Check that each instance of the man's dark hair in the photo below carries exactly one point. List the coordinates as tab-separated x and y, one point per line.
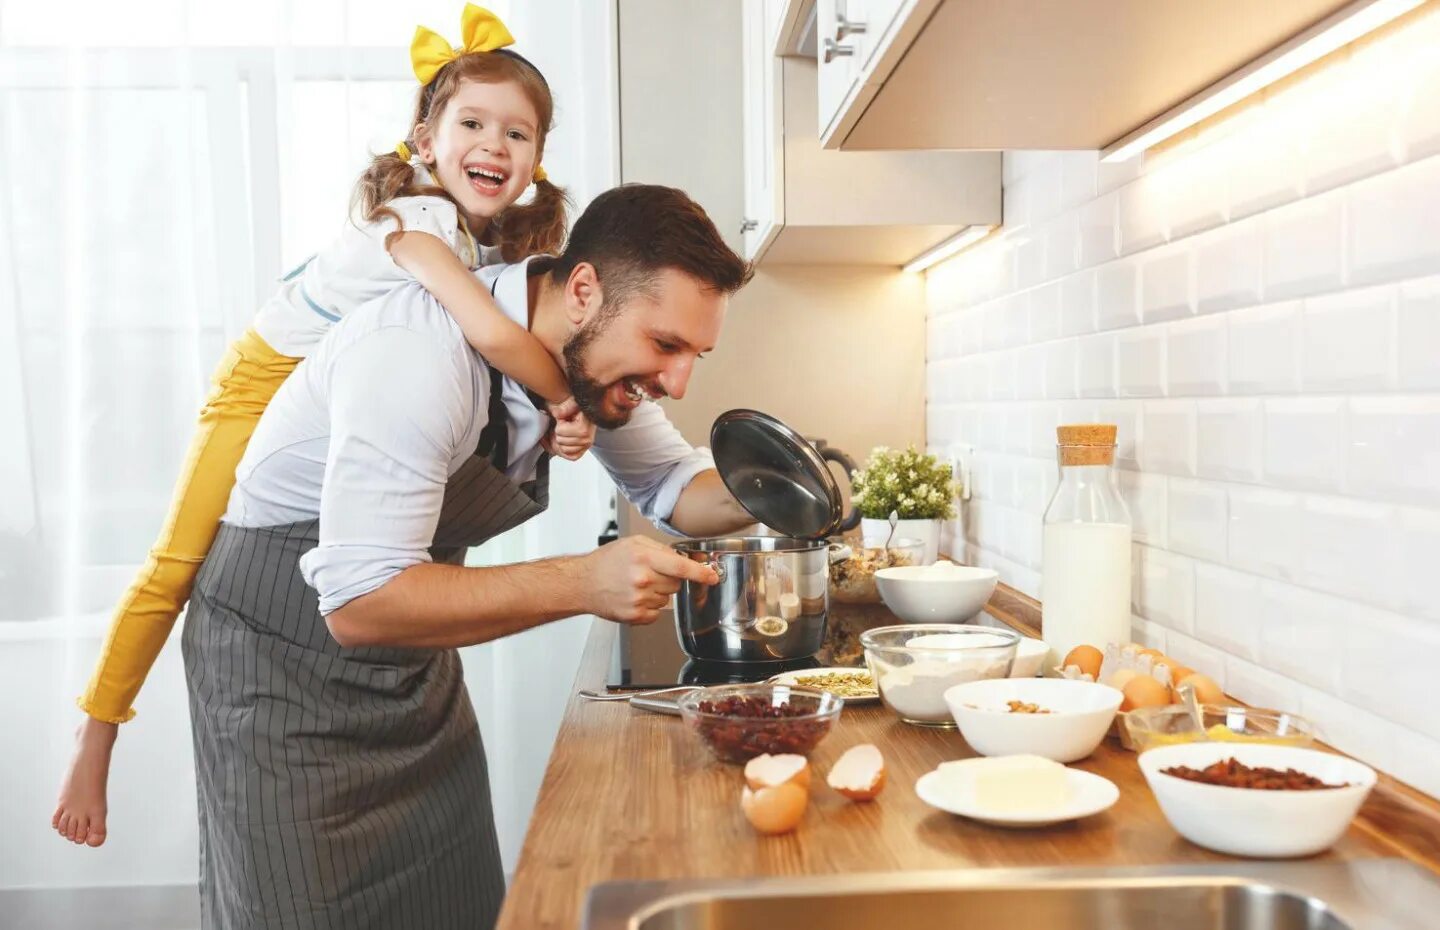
633	232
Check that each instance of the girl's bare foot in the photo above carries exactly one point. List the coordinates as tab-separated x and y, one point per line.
80	812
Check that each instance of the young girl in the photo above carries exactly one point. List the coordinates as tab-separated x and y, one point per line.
431	211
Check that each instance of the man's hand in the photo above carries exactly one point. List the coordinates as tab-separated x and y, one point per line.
631	580
572	433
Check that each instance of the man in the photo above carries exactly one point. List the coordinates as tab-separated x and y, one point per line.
341	777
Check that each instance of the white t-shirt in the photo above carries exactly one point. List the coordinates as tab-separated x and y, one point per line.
366	432
356	268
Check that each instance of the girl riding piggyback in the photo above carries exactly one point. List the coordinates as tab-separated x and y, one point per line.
432	211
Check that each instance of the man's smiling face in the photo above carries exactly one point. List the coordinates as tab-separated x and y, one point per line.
640	345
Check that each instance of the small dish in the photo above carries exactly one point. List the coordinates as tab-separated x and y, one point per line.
1090	794
1254	822
1077	716
1170	725
793	680
1029	658
936	593
738	722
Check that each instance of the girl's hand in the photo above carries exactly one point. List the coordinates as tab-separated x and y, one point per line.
572	434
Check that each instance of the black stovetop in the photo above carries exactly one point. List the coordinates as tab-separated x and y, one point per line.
650	657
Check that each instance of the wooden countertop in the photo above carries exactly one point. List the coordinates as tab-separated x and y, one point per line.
633	795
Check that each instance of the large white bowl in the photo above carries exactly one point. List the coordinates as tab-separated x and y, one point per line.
930	594
1251	822
1082	712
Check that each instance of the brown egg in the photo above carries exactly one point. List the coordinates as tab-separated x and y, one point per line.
1144	691
775	810
859	774
1178	673
767	771
1119	679
1207	690
1085	658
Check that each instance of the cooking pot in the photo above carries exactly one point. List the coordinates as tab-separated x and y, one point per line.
774	591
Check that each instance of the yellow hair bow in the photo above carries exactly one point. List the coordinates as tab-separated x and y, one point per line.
480	31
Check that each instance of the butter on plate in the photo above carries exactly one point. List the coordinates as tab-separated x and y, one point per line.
1012	784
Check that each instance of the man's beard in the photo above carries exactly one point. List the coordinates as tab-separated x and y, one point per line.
589	393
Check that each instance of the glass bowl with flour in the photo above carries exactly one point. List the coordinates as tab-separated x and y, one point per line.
914	663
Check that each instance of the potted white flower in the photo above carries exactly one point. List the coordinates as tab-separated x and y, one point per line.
916	486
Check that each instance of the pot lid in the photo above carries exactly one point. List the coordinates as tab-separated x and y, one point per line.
775	474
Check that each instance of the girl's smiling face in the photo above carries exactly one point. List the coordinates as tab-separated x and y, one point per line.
482	148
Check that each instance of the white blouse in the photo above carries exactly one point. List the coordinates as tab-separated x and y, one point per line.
356	268
367	430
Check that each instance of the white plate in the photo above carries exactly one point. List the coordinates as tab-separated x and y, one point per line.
792	678
1090	794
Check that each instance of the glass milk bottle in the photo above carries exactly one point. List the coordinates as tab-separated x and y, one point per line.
1085	575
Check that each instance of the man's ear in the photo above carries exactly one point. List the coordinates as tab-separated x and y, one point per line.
583	296
424	143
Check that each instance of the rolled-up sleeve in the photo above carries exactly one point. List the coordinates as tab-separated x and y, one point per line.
651	462
398	409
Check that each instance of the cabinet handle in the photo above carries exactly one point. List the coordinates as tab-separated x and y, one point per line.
834	50
847	27
748	226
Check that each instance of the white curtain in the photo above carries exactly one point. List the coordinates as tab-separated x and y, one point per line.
162	162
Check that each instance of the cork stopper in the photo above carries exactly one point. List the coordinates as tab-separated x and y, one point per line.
1087	443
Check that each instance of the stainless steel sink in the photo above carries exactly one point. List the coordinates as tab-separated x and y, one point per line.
1373	894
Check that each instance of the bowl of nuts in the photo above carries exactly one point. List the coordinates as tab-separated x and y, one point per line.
738	722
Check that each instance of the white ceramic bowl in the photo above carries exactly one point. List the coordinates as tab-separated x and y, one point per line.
1082	712
1252	822
1029	658
932	594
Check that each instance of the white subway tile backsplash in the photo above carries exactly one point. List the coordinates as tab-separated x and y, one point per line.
1095	357
1389	668
1349	548
1077	304
1419	334
1169	444
1302	633
1394	448
1060	370
1165	291
1394	223
1140	360
1264	532
1195	356
1264	349
1303	247
1098	230
1229	438
1197	519
1116	295
1257	309
1257	686
1348	341
1165	588
1228	267
1305	442
1144	496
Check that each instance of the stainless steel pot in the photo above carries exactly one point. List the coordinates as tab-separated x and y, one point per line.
770	603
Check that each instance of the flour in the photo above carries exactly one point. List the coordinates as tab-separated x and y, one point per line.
917	691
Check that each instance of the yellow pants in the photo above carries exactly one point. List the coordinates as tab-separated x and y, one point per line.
248	377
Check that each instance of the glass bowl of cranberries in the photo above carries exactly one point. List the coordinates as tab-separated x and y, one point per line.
738	722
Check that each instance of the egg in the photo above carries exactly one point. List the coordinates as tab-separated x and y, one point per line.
859	774
1085	658
1207	690
1144	691
1178	673
767	771
778	809
1121	677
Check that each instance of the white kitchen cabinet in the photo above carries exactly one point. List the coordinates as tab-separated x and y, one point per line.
1039	74
807	205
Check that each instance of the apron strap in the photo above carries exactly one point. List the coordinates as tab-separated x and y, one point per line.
494	441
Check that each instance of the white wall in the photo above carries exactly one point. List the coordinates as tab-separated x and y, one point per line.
1258	308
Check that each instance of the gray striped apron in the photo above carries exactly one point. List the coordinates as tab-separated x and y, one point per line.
341	788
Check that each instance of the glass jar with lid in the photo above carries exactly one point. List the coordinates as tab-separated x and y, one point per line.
1085	570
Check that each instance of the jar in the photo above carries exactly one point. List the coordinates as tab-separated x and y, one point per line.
1085	570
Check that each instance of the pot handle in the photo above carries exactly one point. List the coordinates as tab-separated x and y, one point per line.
719	567
829	453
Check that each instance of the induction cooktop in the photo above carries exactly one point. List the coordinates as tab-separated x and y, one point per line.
650	657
